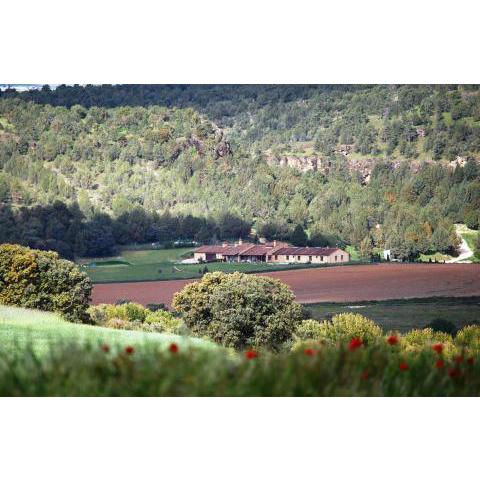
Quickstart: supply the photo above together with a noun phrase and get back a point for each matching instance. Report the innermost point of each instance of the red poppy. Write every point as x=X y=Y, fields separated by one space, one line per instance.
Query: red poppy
x=251 y=354
x=438 y=347
x=365 y=375
x=392 y=340
x=439 y=363
x=355 y=343
x=471 y=361
x=105 y=348
x=403 y=366
x=173 y=348
x=453 y=372
x=459 y=359
x=310 y=352
x=129 y=350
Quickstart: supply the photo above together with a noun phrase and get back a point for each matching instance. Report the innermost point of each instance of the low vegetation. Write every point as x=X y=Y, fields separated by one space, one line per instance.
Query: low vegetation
x=352 y=367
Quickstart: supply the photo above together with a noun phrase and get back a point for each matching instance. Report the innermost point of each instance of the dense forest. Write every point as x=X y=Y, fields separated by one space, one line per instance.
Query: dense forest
x=86 y=168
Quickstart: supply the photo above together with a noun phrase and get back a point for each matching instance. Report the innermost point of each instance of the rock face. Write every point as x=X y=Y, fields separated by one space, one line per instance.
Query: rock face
x=303 y=164
x=223 y=149
x=318 y=164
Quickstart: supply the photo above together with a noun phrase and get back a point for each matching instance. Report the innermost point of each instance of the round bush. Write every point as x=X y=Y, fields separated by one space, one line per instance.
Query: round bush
x=469 y=338
x=341 y=329
x=239 y=310
x=416 y=340
x=38 y=279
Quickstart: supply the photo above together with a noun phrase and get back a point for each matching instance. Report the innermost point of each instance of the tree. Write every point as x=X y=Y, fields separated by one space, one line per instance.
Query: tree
x=37 y=279
x=299 y=237
x=239 y=310
x=366 y=249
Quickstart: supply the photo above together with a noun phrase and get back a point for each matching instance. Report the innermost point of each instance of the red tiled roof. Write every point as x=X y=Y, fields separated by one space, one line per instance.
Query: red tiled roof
x=258 y=250
x=306 y=251
x=237 y=249
x=211 y=249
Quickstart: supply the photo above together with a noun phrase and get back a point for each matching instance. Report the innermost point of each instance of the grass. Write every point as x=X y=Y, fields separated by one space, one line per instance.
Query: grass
x=405 y=315
x=436 y=256
x=20 y=327
x=471 y=237
x=377 y=369
x=164 y=264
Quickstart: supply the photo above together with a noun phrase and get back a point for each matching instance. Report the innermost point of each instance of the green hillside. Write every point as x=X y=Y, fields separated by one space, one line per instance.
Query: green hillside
x=20 y=327
x=395 y=165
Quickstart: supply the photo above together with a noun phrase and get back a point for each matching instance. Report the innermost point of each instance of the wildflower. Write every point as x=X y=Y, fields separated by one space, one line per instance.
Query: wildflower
x=310 y=352
x=438 y=347
x=403 y=366
x=439 y=363
x=251 y=354
x=459 y=359
x=105 y=348
x=129 y=350
x=392 y=340
x=470 y=360
x=365 y=375
x=173 y=348
x=453 y=372
x=355 y=343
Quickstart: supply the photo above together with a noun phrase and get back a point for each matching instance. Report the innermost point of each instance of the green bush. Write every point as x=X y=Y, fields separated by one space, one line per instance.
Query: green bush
x=38 y=279
x=341 y=329
x=239 y=310
x=165 y=320
x=416 y=340
x=469 y=338
x=133 y=316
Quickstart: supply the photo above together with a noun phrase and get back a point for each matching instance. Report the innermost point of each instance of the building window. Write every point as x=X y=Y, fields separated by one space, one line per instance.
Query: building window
x=288 y=257
x=321 y=258
x=335 y=258
x=276 y=257
x=341 y=257
x=310 y=258
x=298 y=257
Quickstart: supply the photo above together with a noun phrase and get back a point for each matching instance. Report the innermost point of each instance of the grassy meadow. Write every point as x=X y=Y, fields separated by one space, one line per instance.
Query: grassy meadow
x=21 y=328
x=405 y=315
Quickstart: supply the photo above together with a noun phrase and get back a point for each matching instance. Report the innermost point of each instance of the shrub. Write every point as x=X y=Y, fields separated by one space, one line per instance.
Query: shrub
x=416 y=340
x=309 y=330
x=469 y=338
x=164 y=321
x=133 y=316
x=38 y=279
x=239 y=310
x=341 y=329
x=441 y=325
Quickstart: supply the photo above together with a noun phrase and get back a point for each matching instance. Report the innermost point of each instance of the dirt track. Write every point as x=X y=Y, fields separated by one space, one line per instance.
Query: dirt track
x=334 y=284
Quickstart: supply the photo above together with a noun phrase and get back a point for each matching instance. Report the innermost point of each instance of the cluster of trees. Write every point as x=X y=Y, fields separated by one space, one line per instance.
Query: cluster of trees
x=65 y=229
x=121 y=152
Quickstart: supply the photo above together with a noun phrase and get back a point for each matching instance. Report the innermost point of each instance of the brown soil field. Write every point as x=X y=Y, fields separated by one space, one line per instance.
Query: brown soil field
x=332 y=284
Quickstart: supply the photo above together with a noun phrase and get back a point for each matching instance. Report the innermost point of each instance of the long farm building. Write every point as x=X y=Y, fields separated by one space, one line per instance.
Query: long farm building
x=274 y=252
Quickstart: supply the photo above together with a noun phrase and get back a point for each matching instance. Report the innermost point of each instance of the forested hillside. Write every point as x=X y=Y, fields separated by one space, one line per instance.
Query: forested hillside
x=386 y=166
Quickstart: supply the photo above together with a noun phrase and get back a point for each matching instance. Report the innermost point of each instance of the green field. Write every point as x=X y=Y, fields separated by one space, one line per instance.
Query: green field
x=164 y=264
x=471 y=239
x=405 y=315
x=20 y=327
